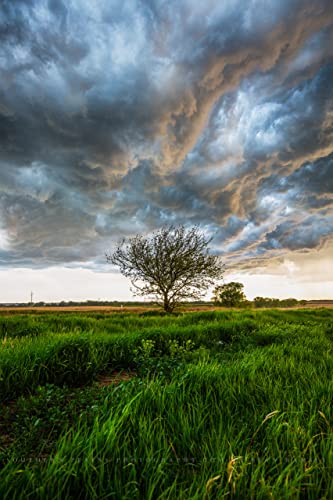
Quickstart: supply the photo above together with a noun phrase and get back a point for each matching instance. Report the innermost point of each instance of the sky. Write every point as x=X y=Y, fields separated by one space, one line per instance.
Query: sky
x=120 y=116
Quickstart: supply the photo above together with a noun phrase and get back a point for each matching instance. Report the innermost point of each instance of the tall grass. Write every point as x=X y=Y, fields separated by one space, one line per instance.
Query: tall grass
x=245 y=413
x=74 y=358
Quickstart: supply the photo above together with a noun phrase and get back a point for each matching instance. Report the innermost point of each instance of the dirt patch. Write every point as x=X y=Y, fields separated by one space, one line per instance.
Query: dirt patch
x=6 y=440
x=114 y=379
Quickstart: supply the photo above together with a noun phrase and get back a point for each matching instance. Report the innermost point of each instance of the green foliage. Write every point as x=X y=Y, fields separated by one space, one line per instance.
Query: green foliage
x=145 y=350
x=271 y=302
x=230 y=294
x=176 y=349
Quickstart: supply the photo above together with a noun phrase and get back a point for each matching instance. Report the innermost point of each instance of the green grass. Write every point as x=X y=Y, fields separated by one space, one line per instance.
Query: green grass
x=232 y=404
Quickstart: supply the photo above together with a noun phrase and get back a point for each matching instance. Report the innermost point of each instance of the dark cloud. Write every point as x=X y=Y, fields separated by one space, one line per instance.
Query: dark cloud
x=291 y=235
x=118 y=117
x=309 y=187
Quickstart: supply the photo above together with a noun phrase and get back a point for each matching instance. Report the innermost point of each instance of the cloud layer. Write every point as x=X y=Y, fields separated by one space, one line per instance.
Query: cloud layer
x=119 y=117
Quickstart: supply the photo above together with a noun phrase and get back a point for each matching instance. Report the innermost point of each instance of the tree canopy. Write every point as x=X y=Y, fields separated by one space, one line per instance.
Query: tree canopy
x=230 y=294
x=171 y=265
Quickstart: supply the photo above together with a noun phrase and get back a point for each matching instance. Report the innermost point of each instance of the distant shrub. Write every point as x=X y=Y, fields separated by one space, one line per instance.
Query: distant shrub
x=272 y=302
x=230 y=294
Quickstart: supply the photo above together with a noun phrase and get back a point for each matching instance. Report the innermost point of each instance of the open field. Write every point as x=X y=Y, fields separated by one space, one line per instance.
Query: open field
x=215 y=404
x=138 y=309
x=105 y=309
x=320 y=303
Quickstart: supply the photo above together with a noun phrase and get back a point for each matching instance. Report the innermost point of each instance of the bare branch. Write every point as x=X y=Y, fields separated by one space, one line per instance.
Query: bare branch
x=172 y=265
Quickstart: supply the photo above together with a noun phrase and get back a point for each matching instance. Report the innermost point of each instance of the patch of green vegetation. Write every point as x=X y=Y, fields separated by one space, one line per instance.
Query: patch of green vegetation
x=221 y=404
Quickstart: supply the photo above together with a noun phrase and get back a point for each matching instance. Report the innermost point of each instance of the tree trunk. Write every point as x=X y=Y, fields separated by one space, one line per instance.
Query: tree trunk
x=166 y=304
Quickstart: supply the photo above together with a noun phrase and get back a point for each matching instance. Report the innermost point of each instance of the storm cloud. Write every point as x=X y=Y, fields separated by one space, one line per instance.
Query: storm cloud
x=117 y=117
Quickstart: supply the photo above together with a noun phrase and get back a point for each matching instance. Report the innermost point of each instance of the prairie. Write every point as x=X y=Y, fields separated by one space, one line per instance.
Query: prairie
x=211 y=404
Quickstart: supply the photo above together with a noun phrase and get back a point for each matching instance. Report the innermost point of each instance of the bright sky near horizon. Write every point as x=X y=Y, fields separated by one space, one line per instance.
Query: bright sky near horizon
x=118 y=117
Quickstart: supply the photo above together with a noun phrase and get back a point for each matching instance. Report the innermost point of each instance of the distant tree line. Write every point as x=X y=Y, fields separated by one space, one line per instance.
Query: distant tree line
x=258 y=302
x=271 y=302
x=232 y=295
x=72 y=303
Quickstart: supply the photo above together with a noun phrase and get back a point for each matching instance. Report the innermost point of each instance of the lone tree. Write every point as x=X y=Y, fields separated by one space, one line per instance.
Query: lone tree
x=171 y=265
x=230 y=294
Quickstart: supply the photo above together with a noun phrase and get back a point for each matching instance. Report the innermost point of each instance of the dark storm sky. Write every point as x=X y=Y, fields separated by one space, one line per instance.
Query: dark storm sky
x=117 y=117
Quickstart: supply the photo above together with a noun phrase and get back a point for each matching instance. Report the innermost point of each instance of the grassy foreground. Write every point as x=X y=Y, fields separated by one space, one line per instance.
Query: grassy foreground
x=234 y=404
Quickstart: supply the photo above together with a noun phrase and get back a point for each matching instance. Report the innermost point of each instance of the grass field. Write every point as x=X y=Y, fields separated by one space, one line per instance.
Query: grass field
x=213 y=404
